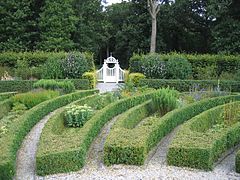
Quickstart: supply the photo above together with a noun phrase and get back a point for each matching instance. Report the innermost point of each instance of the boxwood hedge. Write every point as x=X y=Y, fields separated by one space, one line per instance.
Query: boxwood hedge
x=27 y=85
x=238 y=162
x=186 y=85
x=131 y=146
x=202 y=140
x=64 y=149
x=12 y=140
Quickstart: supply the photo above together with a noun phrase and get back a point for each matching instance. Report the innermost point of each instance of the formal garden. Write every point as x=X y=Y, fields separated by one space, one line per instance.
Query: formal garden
x=174 y=112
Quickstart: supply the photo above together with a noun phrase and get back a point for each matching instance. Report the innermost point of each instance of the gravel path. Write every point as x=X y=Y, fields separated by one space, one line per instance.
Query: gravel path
x=95 y=154
x=25 y=165
x=154 y=168
x=108 y=87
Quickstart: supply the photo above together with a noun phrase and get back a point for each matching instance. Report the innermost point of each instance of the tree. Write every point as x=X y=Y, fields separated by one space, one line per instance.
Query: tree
x=16 y=25
x=57 y=23
x=154 y=8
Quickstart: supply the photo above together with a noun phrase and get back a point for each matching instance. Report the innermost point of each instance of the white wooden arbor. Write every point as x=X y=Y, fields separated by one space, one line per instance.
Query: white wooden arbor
x=107 y=74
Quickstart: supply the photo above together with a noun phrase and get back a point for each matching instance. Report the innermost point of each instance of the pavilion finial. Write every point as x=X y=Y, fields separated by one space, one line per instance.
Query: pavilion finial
x=110 y=54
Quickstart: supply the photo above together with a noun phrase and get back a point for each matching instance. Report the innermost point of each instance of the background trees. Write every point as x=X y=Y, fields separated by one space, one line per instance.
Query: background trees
x=192 y=26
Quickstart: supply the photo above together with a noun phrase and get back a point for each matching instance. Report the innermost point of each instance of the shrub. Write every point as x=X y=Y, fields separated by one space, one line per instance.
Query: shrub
x=31 y=99
x=52 y=68
x=153 y=66
x=186 y=85
x=208 y=72
x=179 y=68
x=77 y=116
x=24 y=86
x=34 y=59
x=23 y=69
x=165 y=100
x=223 y=63
x=136 y=77
x=91 y=77
x=238 y=162
x=131 y=146
x=13 y=139
x=65 y=86
x=61 y=155
x=203 y=139
x=76 y=64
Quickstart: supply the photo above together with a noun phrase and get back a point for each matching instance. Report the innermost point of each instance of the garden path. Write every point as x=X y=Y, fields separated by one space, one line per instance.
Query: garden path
x=26 y=161
x=96 y=151
x=107 y=87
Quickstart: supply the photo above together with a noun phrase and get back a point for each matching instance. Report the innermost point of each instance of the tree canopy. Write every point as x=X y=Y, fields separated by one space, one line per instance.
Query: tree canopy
x=191 y=26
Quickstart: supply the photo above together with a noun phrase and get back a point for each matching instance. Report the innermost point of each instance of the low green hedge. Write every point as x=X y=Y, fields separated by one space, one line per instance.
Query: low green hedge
x=6 y=95
x=133 y=116
x=131 y=146
x=238 y=162
x=12 y=140
x=186 y=85
x=5 y=107
x=203 y=139
x=64 y=149
x=27 y=85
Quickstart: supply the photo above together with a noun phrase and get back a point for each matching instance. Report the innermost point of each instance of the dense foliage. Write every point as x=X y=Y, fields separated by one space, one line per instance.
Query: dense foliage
x=46 y=65
x=123 y=28
x=186 y=66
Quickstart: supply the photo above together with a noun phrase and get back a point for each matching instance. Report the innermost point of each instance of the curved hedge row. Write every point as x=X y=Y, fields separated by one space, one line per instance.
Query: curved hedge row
x=200 y=141
x=238 y=162
x=133 y=116
x=131 y=146
x=186 y=85
x=65 y=150
x=12 y=140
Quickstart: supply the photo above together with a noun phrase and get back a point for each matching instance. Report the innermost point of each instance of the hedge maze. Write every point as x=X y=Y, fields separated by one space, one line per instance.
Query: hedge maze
x=209 y=128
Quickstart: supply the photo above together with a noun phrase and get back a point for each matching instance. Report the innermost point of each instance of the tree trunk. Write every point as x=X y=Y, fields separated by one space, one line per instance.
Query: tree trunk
x=154 y=35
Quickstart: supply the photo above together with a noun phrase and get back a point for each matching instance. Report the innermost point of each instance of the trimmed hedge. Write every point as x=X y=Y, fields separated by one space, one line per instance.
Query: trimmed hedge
x=238 y=162
x=12 y=140
x=224 y=63
x=186 y=85
x=131 y=146
x=64 y=149
x=201 y=140
x=5 y=107
x=27 y=85
x=133 y=116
